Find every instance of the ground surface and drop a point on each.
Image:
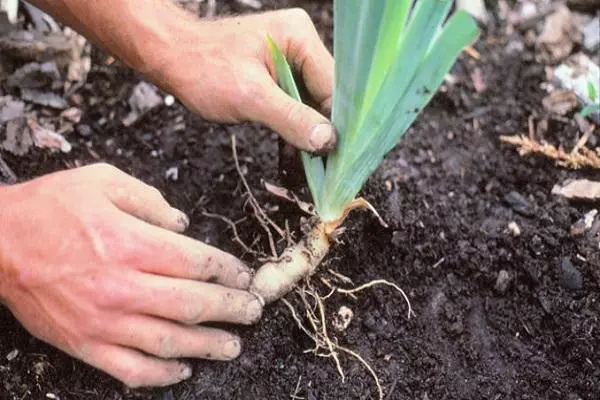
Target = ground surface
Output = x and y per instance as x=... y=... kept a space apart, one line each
x=443 y=191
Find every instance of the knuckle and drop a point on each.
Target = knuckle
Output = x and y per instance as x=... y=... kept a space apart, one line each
x=252 y=91
x=105 y=170
x=299 y=16
x=295 y=114
x=166 y=346
x=156 y=194
x=193 y=313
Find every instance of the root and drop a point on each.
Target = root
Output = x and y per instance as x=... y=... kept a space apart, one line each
x=380 y=282
x=264 y=220
x=317 y=332
x=277 y=278
x=236 y=236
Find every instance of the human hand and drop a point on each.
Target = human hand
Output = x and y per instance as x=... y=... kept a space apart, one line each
x=91 y=263
x=222 y=70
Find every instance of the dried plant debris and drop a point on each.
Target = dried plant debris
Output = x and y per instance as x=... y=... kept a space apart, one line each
x=34 y=46
x=580 y=74
x=584 y=224
x=46 y=99
x=583 y=157
x=143 y=99
x=46 y=138
x=561 y=101
x=18 y=138
x=35 y=76
x=560 y=35
x=10 y=108
x=580 y=189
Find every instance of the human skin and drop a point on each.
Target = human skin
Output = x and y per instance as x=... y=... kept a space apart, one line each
x=92 y=260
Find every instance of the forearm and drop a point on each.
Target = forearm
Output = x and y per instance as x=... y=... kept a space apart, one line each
x=141 y=33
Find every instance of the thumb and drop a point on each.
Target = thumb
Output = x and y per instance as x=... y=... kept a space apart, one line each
x=298 y=124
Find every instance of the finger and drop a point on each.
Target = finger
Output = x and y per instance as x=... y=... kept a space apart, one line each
x=191 y=302
x=167 y=340
x=297 y=123
x=135 y=369
x=145 y=202
x=179 y=256
x=309 y=55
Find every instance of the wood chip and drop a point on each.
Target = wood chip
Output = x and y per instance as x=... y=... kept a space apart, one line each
x=580 y=189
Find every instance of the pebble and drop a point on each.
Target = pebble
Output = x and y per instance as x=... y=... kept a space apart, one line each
x=570 y=277
x=584 y=224
x=12 y=355
x=172 y=173
x=502 y=282
x=84 y=130
x=591 y=35
x=514 y=229
x=519 y=203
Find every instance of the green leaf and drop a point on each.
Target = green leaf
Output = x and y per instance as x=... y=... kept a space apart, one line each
x=397 y=89
x=313 y=166
x=591 y=91
x=589 y=110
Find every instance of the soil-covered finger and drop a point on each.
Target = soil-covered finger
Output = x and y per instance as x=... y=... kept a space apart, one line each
x=145 y=202
x=167 y=339
x=191 y=302
x=135 y=369
x=179 y=256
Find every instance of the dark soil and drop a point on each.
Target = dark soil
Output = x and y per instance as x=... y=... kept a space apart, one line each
x=447 y=192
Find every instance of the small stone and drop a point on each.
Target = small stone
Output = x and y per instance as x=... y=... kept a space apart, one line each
x=343 y=318
x=519 y=204
x=172 y=173
x=12 y=355
x=84 y=130
x=514 y=229
x=591 y=35
x=584 y=224
x=570 y=277
x=502 y=282
x=169 y=100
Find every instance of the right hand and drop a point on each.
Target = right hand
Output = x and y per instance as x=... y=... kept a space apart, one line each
x=91 y=263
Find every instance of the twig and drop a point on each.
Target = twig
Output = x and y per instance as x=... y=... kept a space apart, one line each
x=233 y=227
x=211 y=8
x=341 y=277
x=380 y=282
x=581 y=142
x=295 y=395
x=263 y=219
x=7 y=172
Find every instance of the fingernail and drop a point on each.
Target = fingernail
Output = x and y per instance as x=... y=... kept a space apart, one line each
x=182 y=219
x=243 y=280
x=232 y=349
x=186 y=372
x=322 y=138
x=253 y=311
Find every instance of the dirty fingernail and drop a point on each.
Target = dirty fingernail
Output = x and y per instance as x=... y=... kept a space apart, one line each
x=254 y=311
x=322 y=138
x=232 y=349
x=186 y=372
x=243 y=280
x=182 y=219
